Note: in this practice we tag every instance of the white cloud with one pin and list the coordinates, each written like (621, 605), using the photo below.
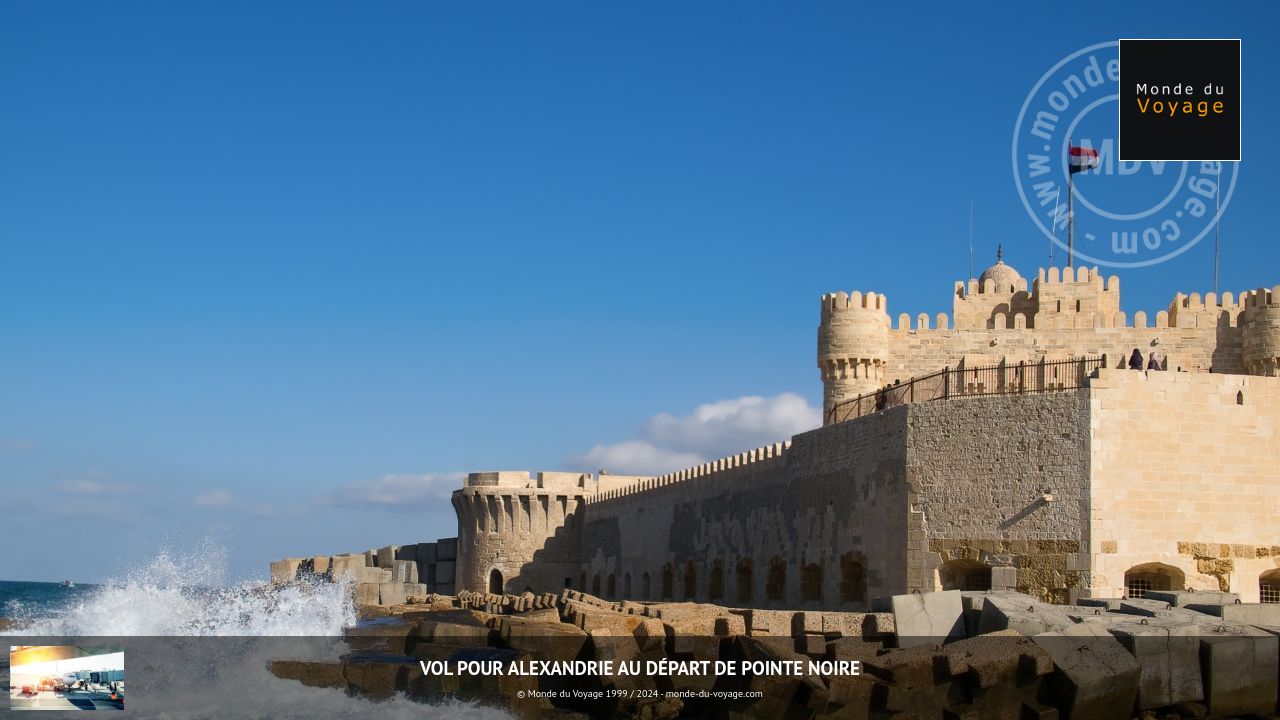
(633, 457)
(397, 490)
(216, 498)
(712, 430)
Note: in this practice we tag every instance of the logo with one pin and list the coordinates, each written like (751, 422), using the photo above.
(1126, 213)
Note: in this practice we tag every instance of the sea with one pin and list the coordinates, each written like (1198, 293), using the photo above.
(199, 649)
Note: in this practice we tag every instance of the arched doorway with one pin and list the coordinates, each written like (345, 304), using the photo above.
(964, 574)
(775, 586)
(1269, 586)
(811, 582)
(611, 587)
(626, 586)
(1140, 579)
(645, 586)
(690, 581)
(715, 590)
(595, 584)
(744, 580)
(853, 578)
(668, 582)
(495, 581)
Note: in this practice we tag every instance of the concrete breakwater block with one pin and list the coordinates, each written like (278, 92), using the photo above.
(1094, 677)
(1024, 614)
(925, 618)
(405, 571)
(1248, 613)
(1240, 669)
(1190, 598)
(1168, 655)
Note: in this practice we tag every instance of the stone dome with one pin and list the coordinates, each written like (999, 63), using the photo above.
(1003, 275)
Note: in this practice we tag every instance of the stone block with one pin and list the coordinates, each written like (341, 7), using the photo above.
(407, 552)
(426, 553)
(457, 634)
(387, 555)
(1168, 655)
(1249, 613)
(1190, 598)
(382, 638)
(1020, 613)
(373, 575)
(391, 593)
(405, 571)
(770, 622)
(347, 567)
(447, 549)
(650, 635)
(542, 640)
(1094, 678)
(285, 570)
(1240, 672)
(445, 572)
(320, 564)
(366, 594)
(926, 618)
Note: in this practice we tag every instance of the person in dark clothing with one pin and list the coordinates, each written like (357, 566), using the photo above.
(1135, 360)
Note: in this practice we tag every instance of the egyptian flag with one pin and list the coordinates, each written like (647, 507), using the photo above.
(1082, 159)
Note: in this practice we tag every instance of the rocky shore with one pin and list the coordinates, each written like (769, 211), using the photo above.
(935, 655)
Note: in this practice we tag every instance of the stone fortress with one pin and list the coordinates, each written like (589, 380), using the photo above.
(1031, 459)
(1121, 482)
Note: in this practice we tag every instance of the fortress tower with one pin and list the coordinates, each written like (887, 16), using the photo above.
(853, 344)
(517, 531)
(1065, 312)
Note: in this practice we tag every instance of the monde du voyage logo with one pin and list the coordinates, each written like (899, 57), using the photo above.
(1161, 198)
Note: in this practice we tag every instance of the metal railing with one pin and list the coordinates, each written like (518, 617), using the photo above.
(1001, 379)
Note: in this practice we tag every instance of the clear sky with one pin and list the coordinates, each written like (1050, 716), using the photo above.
(268, 267)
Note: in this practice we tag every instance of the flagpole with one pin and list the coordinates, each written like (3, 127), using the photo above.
(1057, 214)
(1071, 210)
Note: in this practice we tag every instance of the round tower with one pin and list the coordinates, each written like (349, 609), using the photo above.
(853, 345)
(1260, 337)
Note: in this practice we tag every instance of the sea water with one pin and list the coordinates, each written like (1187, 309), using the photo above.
(198, 649)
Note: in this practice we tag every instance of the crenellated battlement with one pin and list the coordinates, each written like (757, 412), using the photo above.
(759, 458)
(1063, 312)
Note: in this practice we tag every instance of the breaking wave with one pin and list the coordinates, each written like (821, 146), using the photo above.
(198, 648)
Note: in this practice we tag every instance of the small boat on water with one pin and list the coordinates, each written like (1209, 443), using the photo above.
(68, 583)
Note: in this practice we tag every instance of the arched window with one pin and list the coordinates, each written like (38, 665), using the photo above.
(495, 582)
(716, 589)
(668, 582)
(853, 578)
(1152, 576)
(744, 572)
(964, 574)
(1269, 586)
(690, 581)
(626, 585)
(595, 585)
(811, 582)
(1240, 397)
(775, 586)
(644, 586)
(611, 587)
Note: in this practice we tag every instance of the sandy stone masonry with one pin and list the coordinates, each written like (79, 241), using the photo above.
(1137, 481)
(1065, 313)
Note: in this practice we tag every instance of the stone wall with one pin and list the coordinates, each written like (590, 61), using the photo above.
(821, 524)
(1002, 481)
(1185, 470)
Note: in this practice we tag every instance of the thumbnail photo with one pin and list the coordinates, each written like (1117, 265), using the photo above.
(66, 677)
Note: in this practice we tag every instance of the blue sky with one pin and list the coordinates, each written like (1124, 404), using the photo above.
(266, 265)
